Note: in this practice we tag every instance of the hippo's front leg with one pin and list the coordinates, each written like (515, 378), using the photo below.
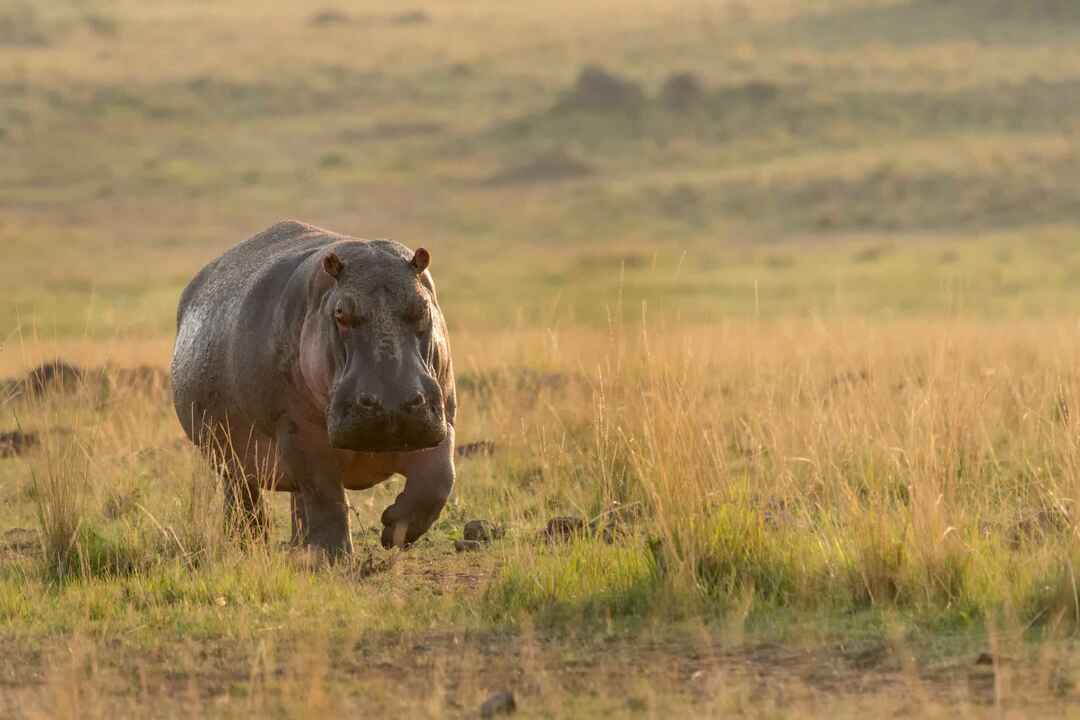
(429, 478)
(320, 508)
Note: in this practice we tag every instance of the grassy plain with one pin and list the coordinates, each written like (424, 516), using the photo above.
(804, 336)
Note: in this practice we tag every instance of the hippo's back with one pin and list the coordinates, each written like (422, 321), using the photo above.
(230, 277)
(224, 334)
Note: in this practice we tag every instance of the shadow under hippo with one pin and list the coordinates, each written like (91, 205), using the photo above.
(311, 362)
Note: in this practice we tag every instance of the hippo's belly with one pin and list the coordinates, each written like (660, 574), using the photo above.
(366, 470)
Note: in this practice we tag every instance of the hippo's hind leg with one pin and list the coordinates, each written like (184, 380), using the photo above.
(303, 516)
(320, 509)
(246, 515)
(320, 513)
(244, 469)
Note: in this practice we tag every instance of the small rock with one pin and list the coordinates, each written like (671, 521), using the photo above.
(467, 545)
(500, 703)
(985, 658)
(564, 528)
(482, 531)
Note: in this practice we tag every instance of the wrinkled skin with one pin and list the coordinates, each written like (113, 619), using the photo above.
(311, 363)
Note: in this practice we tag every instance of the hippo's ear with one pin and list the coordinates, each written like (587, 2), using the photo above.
(420, 260)
(332, 265)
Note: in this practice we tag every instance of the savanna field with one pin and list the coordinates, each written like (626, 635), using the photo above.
(766, 327)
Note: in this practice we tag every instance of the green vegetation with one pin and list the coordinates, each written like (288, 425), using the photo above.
(922, 150)
(782, 301)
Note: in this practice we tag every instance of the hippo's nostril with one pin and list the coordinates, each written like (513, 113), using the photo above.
(418, 401)
(367, 402)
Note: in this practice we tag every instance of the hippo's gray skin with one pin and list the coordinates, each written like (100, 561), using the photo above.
(312, 362)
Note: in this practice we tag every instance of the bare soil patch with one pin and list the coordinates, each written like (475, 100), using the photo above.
(53, 376)
(457, 672)
(16, 442)
(60, 376)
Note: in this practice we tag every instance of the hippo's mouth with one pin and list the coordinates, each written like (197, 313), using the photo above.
(386, 437)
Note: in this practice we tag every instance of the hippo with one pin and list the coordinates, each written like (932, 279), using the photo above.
(311, 363)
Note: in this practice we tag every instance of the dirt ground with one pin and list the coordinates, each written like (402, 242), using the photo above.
(450, 674)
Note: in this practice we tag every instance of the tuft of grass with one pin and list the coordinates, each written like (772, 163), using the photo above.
(587, 581)
(738, 555)
(59, 494)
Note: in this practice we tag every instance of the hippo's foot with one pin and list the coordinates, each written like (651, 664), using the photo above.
(402, 528)
(429, 478)
(321, 526)
(408, 519)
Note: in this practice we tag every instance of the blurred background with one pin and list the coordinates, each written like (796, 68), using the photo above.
(565, 162)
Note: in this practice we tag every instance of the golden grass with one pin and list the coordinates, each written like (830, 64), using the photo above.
(920, 477)
(807, 361)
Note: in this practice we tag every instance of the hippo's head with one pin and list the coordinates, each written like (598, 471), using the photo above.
(374, 348)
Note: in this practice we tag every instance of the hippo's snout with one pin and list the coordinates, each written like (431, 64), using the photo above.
(363, 423)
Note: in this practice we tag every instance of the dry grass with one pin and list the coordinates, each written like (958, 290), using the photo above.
(906, 487)
(834, 465)
(802, 347)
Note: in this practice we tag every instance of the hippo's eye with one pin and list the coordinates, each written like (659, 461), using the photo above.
(420, 317)
(341, 316)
